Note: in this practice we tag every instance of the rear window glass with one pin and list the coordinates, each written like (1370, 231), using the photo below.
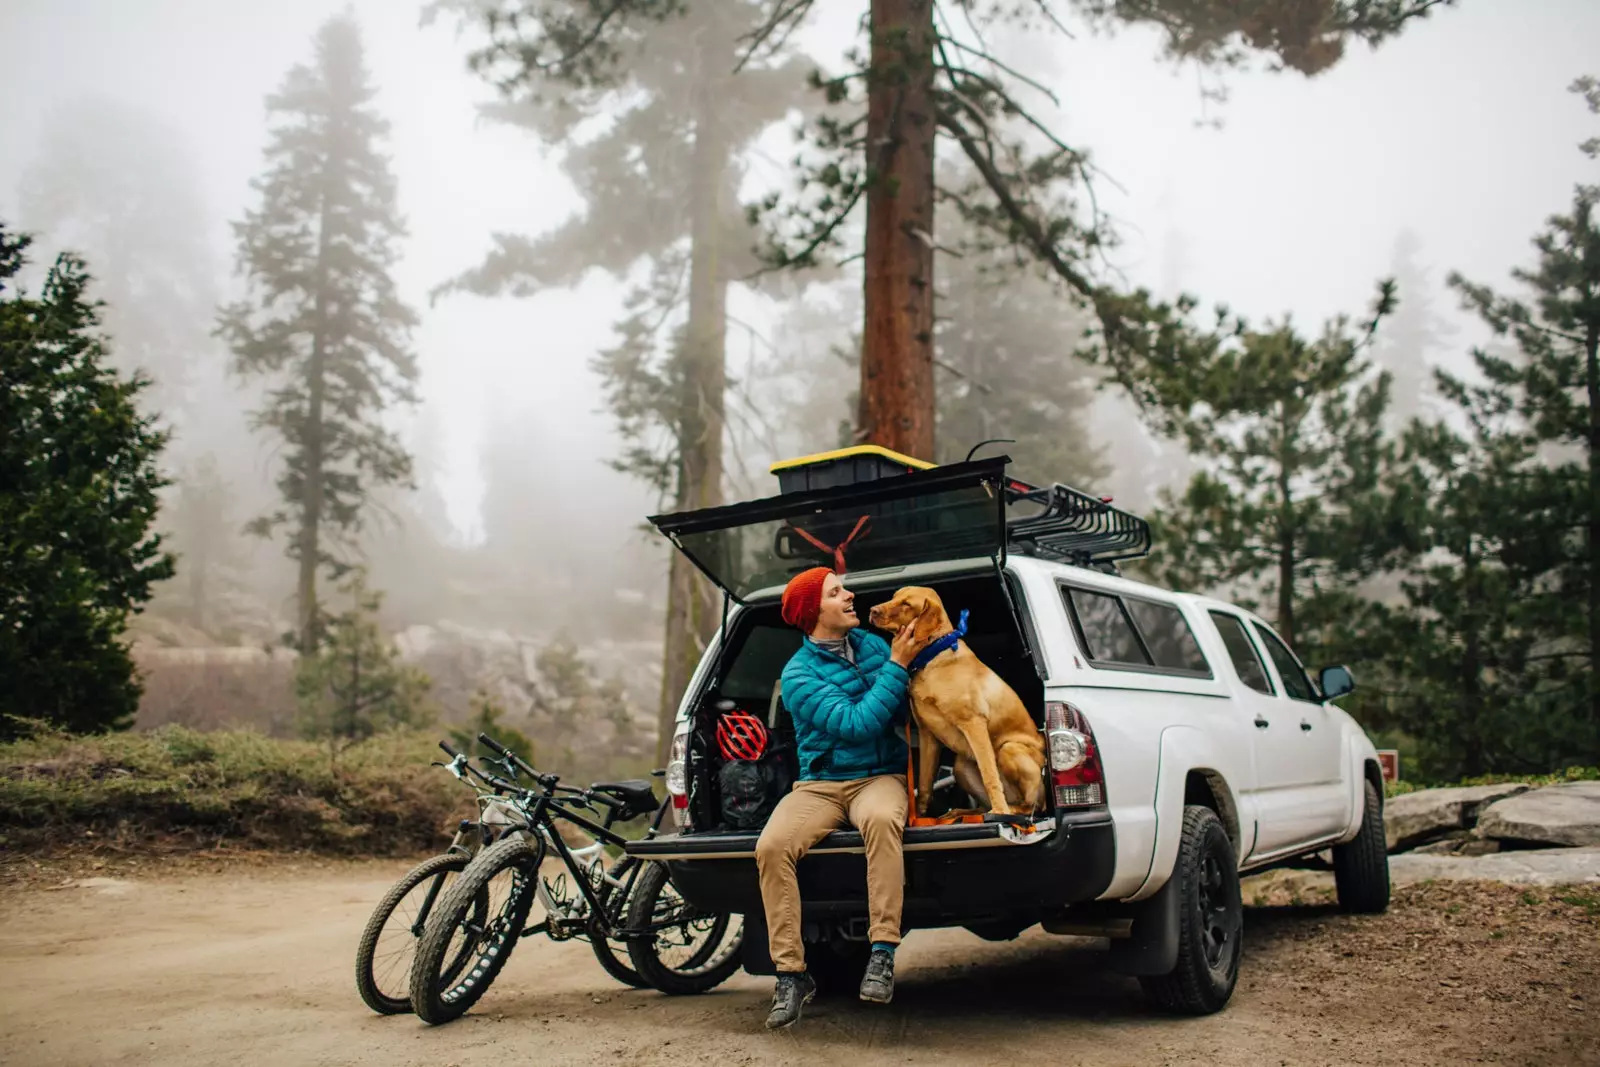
(1246, 660)
(1295, 682)
(1107, 632)
(755, 668)
(1167, 636)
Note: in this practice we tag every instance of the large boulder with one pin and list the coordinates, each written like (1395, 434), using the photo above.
(1414, 818)
(1565, 814)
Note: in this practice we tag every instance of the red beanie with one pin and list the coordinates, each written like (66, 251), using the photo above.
(802, 598)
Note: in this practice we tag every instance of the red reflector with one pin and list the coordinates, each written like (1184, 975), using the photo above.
(680, 800)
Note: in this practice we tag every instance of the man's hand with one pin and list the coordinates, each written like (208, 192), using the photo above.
(904, 648)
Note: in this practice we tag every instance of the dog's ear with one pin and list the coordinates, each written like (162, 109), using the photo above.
(928, 617)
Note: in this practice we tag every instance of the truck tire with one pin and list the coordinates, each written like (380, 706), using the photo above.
(1361, 867)
(1210, 921)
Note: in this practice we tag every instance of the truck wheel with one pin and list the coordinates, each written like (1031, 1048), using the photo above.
(1210, 920)
(1361, 868)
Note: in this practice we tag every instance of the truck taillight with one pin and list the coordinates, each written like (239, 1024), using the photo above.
(1076, 775)
(678, 774)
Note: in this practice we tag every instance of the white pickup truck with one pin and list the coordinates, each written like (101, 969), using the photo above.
(1187, 743)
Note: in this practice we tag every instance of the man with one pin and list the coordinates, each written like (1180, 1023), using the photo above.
(846, 691)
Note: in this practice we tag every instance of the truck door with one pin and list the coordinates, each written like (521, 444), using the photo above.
(1279, 757)
(1325, 799)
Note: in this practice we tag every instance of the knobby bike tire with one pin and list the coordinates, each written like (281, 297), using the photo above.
(614, 956)
(437, 996)
(368, 983)
(705, 969)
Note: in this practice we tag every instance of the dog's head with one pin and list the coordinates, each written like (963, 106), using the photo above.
(913, 606)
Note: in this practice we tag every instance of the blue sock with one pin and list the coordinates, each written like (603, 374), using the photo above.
(884, 946)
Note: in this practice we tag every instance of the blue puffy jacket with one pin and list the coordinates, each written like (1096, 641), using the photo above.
(847, 716)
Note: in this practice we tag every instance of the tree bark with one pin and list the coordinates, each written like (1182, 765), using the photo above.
(311, 488)
(1286, 536)
(897, 403)
(1473, 755)
(693, 613)
(1591, 372)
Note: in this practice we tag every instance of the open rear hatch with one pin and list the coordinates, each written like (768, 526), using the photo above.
(939, 515)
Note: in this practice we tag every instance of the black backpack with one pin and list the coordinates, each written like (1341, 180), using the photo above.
(750, 789)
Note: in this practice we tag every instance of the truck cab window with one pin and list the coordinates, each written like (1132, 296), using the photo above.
(1295, 682)
(1246, 660)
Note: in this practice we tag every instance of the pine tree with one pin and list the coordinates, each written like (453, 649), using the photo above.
(661, 184)
(205, 537)
(79, 489)
(1467, 667)
(922, 77)
(322, 321)
(1289, 433)
(1552, 387)
(353, 684)
(1413, 334)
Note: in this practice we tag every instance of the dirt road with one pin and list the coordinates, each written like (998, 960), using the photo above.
(248, 966)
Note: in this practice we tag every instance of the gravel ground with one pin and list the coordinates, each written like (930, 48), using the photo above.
(199, 962)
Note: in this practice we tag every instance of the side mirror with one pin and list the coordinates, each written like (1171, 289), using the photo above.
(1335, 682)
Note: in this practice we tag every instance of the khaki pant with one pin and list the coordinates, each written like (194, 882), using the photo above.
(874, 806)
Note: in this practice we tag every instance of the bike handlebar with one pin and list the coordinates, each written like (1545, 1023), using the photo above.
(546, 780)
(448, 751)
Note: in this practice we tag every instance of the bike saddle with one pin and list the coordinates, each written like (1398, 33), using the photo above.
(635, 792)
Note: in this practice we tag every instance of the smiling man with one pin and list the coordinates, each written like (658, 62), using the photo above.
(846, 691)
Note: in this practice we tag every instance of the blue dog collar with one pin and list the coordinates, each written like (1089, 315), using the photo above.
(940, 644)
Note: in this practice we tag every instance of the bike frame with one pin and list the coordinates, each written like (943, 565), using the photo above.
(542, 809)
(547, 809)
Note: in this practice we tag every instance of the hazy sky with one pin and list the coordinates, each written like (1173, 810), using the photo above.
(1460, 130)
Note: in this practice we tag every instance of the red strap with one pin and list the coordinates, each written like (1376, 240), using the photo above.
(837, 551)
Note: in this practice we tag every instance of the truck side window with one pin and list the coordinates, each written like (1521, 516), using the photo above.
(1295, 682)
(1107, 632)
(1167, 635)
(1246, 660)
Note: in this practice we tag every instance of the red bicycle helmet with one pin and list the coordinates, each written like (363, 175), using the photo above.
(741, 736)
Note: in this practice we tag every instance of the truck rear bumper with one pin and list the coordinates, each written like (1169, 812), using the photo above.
(955, 875)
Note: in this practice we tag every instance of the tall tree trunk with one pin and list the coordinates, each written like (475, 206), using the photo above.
(693, 613)
(1286, 537)
(310, 547)
(1592, 383)
(897, 387)
(1472, 728)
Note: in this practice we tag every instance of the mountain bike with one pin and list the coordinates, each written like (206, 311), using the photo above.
(387, 948)
(482, 915)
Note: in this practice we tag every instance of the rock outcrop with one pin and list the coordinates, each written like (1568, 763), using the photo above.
(1413, 819)
(1565, 814)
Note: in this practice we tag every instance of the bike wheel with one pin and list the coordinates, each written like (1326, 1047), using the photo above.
(388, 945)
(479, 920)
(688, 951)
(613, 952)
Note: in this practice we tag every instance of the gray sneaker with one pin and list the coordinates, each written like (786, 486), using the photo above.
(792, 993)
(877, 985)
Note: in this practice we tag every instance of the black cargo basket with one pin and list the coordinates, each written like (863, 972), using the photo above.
(846, 466)
(1072, 526)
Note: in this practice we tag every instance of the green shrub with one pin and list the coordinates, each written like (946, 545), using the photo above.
(238, 788)
(1570, 774)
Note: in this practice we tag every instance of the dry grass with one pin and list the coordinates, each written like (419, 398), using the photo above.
(178, 788)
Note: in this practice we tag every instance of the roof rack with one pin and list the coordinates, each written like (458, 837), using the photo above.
(1072, 526)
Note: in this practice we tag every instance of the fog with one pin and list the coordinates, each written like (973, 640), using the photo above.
(1287, 198)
